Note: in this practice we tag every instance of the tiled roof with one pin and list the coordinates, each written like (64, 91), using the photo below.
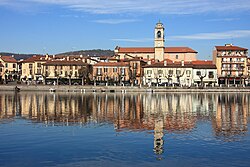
(152, 50)
(64, 62)
(112, 64)
(230, 48)
(136, 50)
(8, 59)
(203, 64)
(199, 64)
(34, 58)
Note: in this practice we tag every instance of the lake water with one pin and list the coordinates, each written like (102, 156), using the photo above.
(74, 129)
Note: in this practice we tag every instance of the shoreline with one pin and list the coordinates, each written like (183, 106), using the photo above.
(113, 89)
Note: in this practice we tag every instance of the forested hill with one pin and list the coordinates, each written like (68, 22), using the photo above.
(95, 52)
(17, 56)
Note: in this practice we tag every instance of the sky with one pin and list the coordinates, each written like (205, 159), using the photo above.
(56, 26)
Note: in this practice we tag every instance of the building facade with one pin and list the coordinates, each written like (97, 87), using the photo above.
(231, 63)
(171, 73)
(9, 69)
(111, 72)
(159, 51)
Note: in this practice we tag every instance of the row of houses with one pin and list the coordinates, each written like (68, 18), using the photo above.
(158, 65)
(130, 70)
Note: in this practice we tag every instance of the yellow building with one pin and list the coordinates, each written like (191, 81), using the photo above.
(9, 69)
(66, 71)
(32, 68)
(107, 72)
(159, 51)
(231, 63)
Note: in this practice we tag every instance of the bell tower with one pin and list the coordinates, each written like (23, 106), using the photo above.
(159, 41)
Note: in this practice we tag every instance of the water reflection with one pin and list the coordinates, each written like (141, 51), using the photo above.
(161, 113)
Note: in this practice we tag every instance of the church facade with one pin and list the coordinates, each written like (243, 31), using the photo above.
(159, 51)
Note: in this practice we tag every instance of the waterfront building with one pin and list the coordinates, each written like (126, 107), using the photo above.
(9, 69)
(231, 63)
(204, 73)
(31, 68)
(1, 72)
(111, 72)
(66, 71)
(182, 73)
(159, 51)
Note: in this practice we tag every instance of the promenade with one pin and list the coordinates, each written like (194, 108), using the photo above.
(121, 89)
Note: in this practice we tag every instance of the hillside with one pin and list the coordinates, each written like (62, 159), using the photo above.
(95, 52)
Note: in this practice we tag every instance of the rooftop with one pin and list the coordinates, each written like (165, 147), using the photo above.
(8, 59)
(152, 50)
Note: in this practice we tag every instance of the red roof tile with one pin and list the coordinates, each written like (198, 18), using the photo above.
(113, 64)
(230, 47)
(8, 59)
(64, 62)
(199, 64)
(34, 58)
(179, 50)
(136, 50)
(152, 50)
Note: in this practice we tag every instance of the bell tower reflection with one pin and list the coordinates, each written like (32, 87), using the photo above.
(158, 136)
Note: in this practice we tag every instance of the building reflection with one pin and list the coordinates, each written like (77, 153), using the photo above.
(231, 115)
(161, 113)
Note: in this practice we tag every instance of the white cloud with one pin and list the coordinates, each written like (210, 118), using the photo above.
(133, 40)
(115, 21)
(222, 19)
(214, 36)
(146, 6)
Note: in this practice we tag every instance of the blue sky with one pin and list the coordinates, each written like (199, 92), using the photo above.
(55, 26)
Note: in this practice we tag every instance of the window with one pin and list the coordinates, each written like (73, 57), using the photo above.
(75, 73)
(1, 70)
(99, 71)
(178, 72)
(14, 65)
(170, 72)
(38, 64)
(176, 56)
(135, 65)
(198, 73)
(38, 71)
(123, 71)
(70, 67)
(149, 72)
(115, 69)
(159, 34)
(188, 73)
(210, 74)
(105, 69)
(30, 65)
(160, 71)
(6, 65)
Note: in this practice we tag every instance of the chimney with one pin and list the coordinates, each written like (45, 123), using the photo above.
(165, 62)
(228, 44)
(46, 57)
(182, 63)
(67, 58)
(149, 62)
